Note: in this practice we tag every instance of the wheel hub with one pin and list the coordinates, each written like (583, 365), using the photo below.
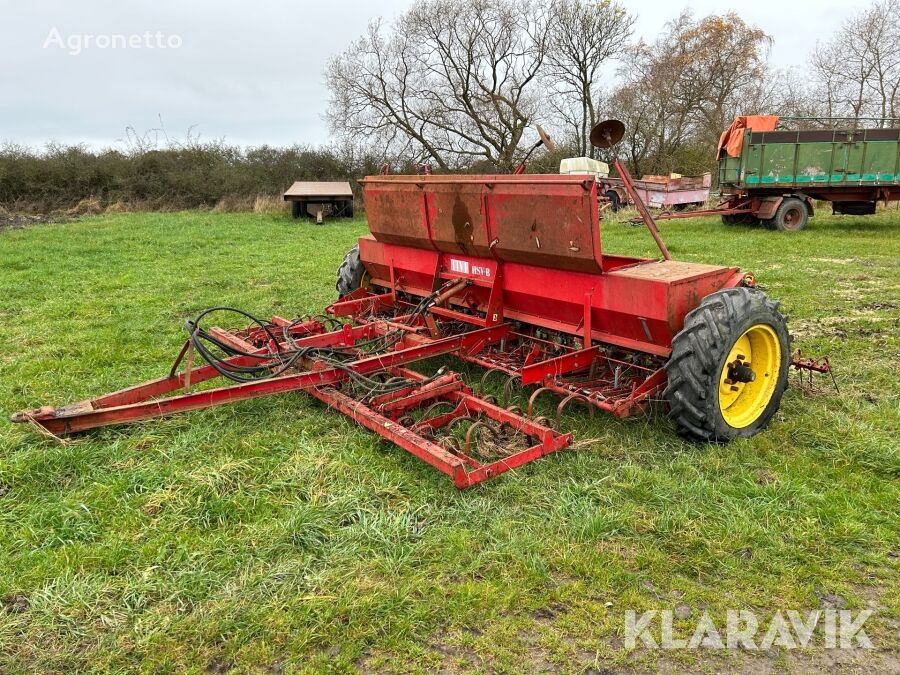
(740, 371)
(749, 376)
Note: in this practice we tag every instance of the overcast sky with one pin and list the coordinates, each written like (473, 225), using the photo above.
(248, 72)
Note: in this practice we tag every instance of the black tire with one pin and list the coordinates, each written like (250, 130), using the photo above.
(699, 358)
(741, 219)
(854, 208)
(350, 273)
(347, 211)
(791, 216)
(614, 202)
(296, 209)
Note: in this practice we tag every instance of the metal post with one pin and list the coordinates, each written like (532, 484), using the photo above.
(641, 207)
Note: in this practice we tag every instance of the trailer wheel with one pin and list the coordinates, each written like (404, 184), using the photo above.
(351, 274)
(791, 216)
(614, 202)
(729, 366)
(731, 219)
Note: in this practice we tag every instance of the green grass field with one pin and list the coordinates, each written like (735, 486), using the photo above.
(275, 535)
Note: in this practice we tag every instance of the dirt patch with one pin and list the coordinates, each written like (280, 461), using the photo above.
(9, 221)
(550, 611)
(219, 665)
(835, 261)
(879, 306)
(15, 604)
(765, 477)
(840, 327)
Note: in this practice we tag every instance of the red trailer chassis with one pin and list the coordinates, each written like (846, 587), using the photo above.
(505, 272)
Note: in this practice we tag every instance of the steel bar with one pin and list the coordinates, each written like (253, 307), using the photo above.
(642, 208)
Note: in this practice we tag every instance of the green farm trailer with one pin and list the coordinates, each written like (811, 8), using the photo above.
(772, 177)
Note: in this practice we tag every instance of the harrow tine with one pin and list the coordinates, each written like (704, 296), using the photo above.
(581, 398)
(495, 432)
(458, 420)
(534, 396)
(428, 414)
(451, 443)
(511, 383)
(470, 432)
(542, 420)
(487, 374)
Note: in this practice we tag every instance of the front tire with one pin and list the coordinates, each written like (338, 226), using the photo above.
(729, 366)
(351, 274)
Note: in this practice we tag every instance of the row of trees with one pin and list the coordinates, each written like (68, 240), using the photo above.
(169, 174)
(461, 85)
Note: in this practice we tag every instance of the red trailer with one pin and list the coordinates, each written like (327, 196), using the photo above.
(660, 192)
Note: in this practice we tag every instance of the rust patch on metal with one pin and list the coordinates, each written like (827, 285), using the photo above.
(462, 224)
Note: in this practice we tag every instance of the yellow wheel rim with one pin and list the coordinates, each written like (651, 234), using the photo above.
(749, 376)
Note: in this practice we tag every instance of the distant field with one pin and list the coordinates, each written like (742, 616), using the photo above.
(275, 535)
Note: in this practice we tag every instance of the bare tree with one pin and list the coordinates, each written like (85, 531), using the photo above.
(451, 82)
(681, 91)
(857, 71)
(584, 35)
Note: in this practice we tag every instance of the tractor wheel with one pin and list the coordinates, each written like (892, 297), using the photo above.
(791, 216)
(296, 209)
(729, 366)
(348, 208)
(351, 274)
(614, 202)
